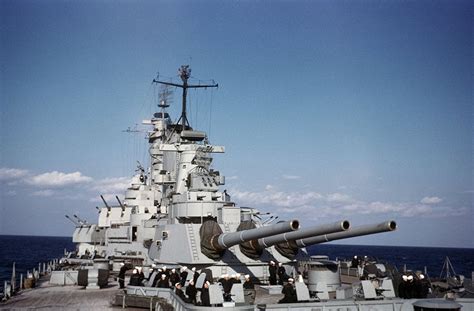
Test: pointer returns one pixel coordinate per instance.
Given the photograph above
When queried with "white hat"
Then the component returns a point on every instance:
(176, 285)
(164, 267)
(193, 269)
(404, 277)
(279, 264)
(153, 265)
(272, 262)
(135, 271)
(410, 277)
(290, 280)
(122, 264)
(163, 276)
(173, 270)
(247, 276)
(421, 276)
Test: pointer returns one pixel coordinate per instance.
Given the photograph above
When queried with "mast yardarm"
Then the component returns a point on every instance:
(185, 73)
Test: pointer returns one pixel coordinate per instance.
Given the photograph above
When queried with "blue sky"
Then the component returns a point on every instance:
(329, 110)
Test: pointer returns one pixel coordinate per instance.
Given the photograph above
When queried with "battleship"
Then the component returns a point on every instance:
(174, 215)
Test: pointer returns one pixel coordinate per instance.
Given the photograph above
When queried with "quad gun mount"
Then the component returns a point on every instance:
(174, 213)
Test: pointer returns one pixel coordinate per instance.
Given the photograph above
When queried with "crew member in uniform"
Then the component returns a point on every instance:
(141, 275)
(422, 286)
(121, 275)
(249, 290)
(355, 262)
(289, 291)
(282, 276)
(179, 293)
(135, 278)
(183, 275)
(163, 282)
(226, 283)
(191, 291)
(174, 276)
(205, 300)
(248, 284)
(272, 269)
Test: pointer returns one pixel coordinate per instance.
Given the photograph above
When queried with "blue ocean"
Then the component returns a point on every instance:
(28, 251)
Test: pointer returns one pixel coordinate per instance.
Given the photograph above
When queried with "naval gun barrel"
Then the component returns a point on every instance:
(358, 231)
(226, 240)
(339, 226)
(105, 202)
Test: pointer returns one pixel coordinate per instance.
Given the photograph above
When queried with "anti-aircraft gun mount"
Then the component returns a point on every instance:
(175, 214)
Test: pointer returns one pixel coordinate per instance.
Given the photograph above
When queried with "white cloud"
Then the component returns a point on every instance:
(312, 204)
(275, 198)
(43, 193)
(58, 179)
(109, 188)
(339, 198)
(431, 200)
(12, 173)
(291, 177)
(115, 184)
(234, 177)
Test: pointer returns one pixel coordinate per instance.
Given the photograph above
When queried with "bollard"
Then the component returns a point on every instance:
(39, 268)
(5, 291)
(13, 281)
(21, 281)
(44, 268)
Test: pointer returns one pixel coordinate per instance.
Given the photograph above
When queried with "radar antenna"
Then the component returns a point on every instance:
(165, 96)
(185, 73)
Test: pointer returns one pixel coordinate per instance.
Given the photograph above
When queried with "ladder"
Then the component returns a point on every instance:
(192, 241)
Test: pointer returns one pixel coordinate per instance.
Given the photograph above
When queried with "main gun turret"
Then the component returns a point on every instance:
(214, 242)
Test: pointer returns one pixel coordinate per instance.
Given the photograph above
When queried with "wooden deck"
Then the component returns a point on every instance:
(49, 297)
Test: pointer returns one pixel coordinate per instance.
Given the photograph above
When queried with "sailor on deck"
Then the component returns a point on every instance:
(289, 291)
(272, 269)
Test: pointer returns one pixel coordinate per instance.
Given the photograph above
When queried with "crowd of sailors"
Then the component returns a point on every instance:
(410, 285)
(413, 285)
(278, 276)
(184, 282)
